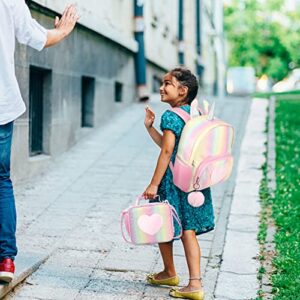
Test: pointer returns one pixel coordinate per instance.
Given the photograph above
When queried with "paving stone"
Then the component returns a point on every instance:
(240, 252)
(237, 286)
(52, 228)
(12, 296)
(47, 293)
(246, 174)
(38, 243)
(89, 244)
(243, 223)
(253, 182)
(54, 270)
(115, 287)
(156, 292)
(247, 188)
(135, 276)
(248, 162)
(209, 281)
(75, 258)
(59, 281)
(86, 295)
(130, 259)
(243, 204)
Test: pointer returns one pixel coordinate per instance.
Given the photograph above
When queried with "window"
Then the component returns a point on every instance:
(87, 101)
(37, 86)
(118, 91)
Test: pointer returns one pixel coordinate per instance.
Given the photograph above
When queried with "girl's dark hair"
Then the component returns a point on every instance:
(186, 78)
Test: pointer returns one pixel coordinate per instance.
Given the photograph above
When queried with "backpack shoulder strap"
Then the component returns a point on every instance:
(185, 116)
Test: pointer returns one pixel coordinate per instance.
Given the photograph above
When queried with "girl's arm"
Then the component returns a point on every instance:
(155, 135)
(149, 120)
(167, 147)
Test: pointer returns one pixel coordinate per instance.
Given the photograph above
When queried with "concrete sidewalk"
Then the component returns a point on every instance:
(69, 217)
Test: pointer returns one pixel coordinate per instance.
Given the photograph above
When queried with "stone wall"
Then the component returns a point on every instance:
(84, 53)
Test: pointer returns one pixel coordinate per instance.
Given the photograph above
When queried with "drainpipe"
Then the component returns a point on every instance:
(199, 66)
(219, 45)
(180, 33)
(140, 60)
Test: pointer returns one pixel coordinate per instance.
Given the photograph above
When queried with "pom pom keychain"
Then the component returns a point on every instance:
(196, 199)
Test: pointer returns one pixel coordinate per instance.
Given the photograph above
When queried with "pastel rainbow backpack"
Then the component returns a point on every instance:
(204, 152)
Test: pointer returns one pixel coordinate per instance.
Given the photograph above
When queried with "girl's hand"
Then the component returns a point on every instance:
(150, 192)
(149, 117)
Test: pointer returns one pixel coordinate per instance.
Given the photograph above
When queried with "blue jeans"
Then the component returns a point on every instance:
(8, 218)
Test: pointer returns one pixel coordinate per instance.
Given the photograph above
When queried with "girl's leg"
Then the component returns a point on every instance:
(193, 255)
(166, 251)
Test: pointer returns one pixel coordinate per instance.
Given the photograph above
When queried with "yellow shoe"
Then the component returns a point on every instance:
(194, 295)
(172, 281)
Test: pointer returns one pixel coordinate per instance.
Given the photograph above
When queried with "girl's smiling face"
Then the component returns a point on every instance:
(172, 92)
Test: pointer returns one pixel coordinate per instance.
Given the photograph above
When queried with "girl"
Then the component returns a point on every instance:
(178, 89)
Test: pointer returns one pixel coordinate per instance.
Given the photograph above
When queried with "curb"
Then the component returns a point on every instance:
(269, 246)
(26, 264)
(237, 278)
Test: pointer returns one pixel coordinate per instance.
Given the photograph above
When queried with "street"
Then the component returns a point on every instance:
(71, 213)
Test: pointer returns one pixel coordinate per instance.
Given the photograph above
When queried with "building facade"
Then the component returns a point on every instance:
(80, 83)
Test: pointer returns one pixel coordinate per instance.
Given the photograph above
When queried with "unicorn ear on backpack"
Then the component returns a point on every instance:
(208, 110)
(204, 108)
(194, 109)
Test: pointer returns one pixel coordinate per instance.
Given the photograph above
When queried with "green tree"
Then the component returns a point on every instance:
(257, 36)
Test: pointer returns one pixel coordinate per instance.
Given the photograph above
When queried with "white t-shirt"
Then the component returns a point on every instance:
(15, 22)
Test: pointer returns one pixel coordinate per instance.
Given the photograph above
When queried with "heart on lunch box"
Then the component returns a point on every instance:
(150, 224)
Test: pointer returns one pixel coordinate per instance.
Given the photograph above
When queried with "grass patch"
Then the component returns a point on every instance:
(286, 205)
(277, 95)
(266, 200)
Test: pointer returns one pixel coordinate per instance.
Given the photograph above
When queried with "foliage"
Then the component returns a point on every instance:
(262, 35)
(286, 205)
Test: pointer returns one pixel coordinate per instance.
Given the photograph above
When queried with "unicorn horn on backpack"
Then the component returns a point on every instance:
(206, 107)
(194, 108)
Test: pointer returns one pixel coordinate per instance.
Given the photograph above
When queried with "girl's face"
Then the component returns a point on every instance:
(171, 91)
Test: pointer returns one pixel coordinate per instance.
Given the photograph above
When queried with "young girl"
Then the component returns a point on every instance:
(179, 88)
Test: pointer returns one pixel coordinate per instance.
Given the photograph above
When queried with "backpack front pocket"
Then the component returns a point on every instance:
(213, 171)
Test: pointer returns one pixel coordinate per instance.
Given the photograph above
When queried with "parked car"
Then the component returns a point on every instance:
(241, 80)
(292, 82)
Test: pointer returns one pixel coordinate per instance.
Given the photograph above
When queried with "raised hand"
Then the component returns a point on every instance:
(68, 20)
(63, 26)
(149, 117)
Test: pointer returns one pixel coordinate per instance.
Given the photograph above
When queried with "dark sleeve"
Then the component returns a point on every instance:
(171, 121)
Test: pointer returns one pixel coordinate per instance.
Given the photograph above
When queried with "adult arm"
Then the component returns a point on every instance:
(63, 26)
(31, 33)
